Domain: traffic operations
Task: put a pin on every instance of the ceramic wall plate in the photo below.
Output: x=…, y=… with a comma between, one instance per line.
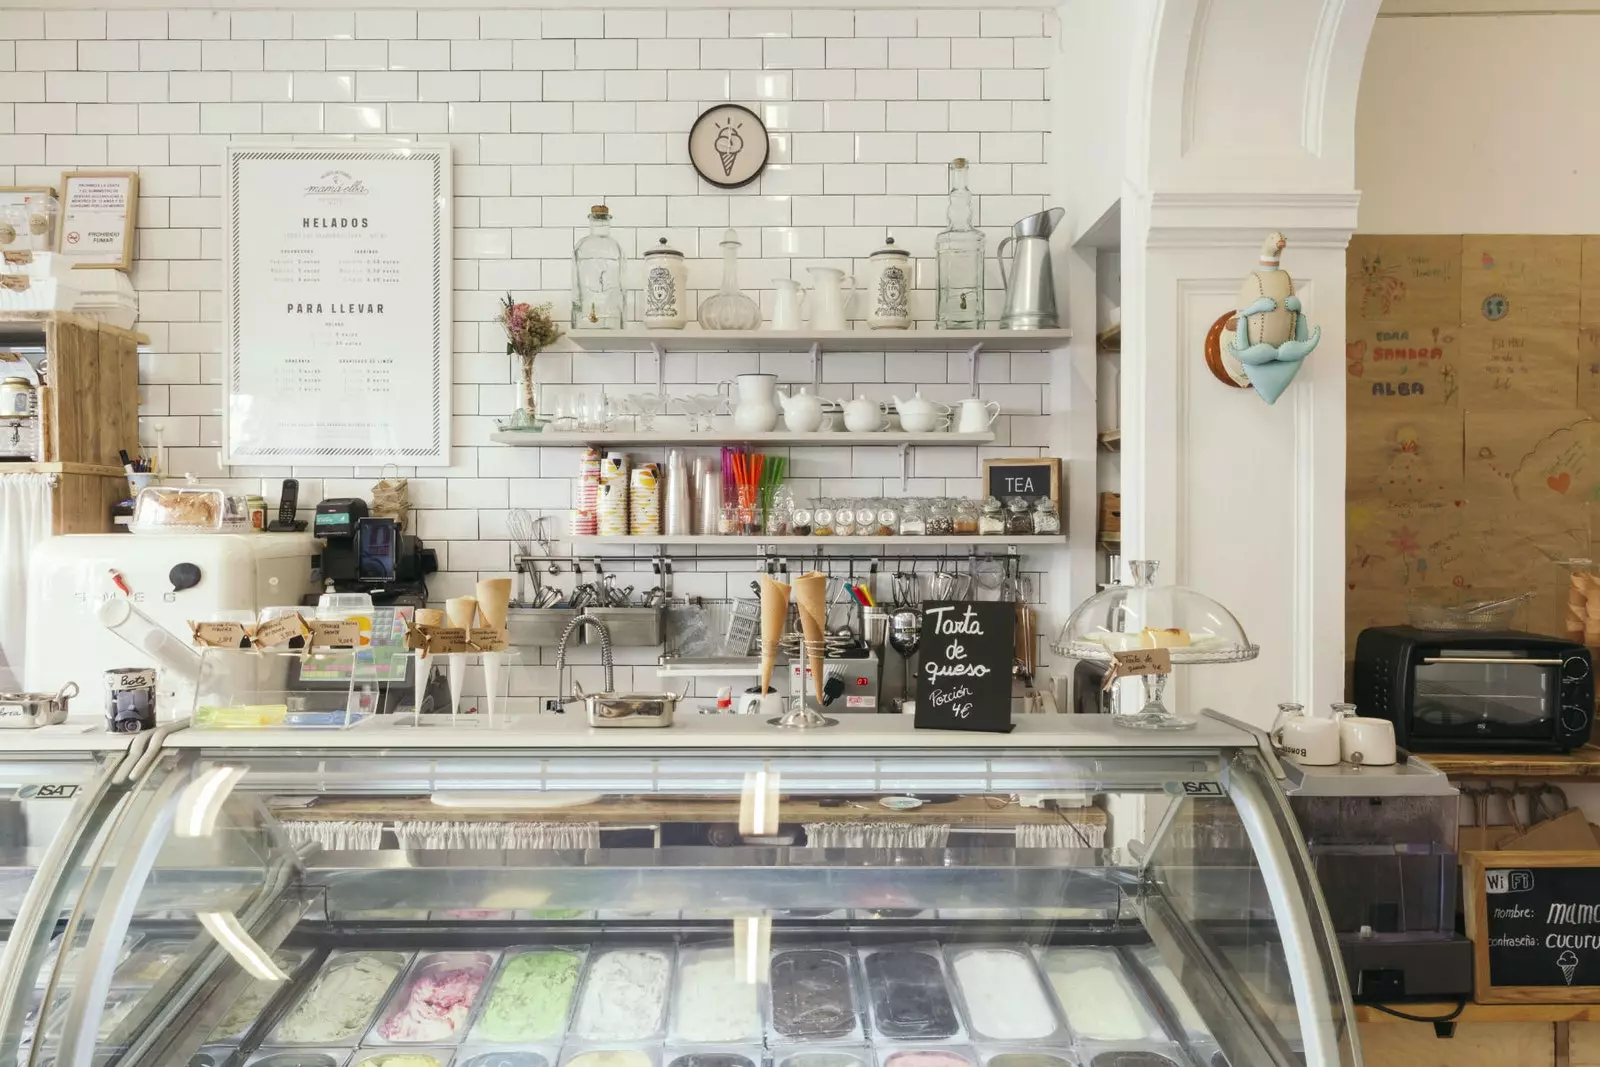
x=728, y=145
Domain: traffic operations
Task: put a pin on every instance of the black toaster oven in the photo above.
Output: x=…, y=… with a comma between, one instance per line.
x=1453, y=691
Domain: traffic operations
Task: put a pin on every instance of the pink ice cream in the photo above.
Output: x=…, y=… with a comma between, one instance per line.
x=439, y=999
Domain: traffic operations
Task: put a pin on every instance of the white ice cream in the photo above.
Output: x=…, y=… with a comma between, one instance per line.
x=623, y=996
x=1003, y=996
x=1188, y=1014
x=1100, y=1001
x=712, y=1003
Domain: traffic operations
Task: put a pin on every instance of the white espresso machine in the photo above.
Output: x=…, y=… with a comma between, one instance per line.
x=92, y=600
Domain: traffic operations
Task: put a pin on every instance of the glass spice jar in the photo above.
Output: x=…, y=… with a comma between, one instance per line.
x=1046, y=519
x=728, y=521
x=822, y=520
x=913, y=523
x=1019, y=516
x=966, y=517
x=800, y=521
x=993, y=519
x=888, y=521
x=844, y=519
x=941, y=518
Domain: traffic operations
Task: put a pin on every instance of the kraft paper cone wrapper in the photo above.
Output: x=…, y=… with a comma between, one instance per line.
x=810, y=597
x=463, y=611
x=429, y=617
x=494, y=598
x=774, y=609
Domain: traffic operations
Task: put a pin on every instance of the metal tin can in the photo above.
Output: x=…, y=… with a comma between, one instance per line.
x=130, y=699
x=258, y=511
x=16, y=397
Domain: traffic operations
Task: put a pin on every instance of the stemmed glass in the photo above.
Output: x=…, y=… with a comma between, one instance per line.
x=650, y=405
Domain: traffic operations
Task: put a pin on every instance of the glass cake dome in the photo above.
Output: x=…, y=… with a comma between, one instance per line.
x=1190, y=626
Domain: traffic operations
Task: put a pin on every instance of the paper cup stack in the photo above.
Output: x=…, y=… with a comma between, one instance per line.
x=584, y=520
x=611, y=509
x=644, y=500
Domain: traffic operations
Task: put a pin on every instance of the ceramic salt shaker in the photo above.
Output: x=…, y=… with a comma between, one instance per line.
x=664, y=288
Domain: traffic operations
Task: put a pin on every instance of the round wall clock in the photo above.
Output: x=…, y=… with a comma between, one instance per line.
x=728, y=146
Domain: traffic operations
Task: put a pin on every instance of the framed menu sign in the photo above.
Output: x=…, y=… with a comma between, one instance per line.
x=964, y=674
x=336, y=303
x=1534, y=922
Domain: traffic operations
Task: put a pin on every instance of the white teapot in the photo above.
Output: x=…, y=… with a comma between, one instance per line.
x=864, y=416
x=919, y=415
x=802, y=412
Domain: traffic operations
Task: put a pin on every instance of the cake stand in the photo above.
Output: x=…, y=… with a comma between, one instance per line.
x=1192, y=627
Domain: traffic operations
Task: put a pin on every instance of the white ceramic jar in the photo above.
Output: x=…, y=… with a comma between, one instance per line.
x=665, y=295
x=756, y=408
x=889, y=288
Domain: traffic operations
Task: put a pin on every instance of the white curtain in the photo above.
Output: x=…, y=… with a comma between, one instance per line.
x=24, y=523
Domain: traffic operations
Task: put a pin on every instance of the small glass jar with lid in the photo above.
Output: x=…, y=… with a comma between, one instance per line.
x=966, y=517
x=1046, y=518
x=776, y=517
x=801, y=521
x=941, y=518
x=1019, y=516
x=844, y=519
x=14, y=228
x=823, y=518
x=992, y=520
x=888, y=519
x=913, y=519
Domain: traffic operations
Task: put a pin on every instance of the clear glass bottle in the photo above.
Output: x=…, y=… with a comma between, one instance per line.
x=1046, y=518
x=993, y=519
x=597, y=276
x=959, y=254
x=729, y=309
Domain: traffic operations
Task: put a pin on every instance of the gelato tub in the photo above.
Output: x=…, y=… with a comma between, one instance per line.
x=715, y=1058
x=830, y=1058
x=1032, y=1058
x=624, y=996
x=1098, y=997
x=531, y=998
x=1131, y=1057
x=146, y=966
x=436, y=998
x=711, y=1003
x=927, y=1057
x=612, y=1057
x=812, y=997
x=909, y=998
x=338, y=1005
x=1001, y=992
x=1187, y=1014
x=421, y=1057
x=504, y=1058
x=302, y=1057
x=256, y=996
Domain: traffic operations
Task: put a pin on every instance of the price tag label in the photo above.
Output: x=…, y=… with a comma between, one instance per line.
x=18, y=259
x=17, y=283
x=281, y=631
x=220, y=634
x=452, y=640
x=334, y=633
x=1136, y=662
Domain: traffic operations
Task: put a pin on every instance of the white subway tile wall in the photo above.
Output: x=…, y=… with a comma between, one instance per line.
x=547, y=112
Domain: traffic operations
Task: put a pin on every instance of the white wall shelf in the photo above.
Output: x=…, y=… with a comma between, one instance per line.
x=636, y=339
x=648, y=439
x=999, y=541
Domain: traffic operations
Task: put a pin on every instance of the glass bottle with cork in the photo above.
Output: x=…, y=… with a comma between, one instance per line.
x=959, y=251
x=597, y=276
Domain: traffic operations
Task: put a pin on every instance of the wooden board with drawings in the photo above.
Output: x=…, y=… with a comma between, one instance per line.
x=1473, y=429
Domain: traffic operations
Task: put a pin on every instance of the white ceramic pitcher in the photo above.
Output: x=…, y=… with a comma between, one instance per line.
x=975, y=416
x=756, y=407
x=830, y=297
x=786, y=304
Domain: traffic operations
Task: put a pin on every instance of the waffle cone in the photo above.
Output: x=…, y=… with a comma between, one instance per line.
x=774, y=609
x=429, y=617
x=810, y=597
x=494, y=599
x=463, y=611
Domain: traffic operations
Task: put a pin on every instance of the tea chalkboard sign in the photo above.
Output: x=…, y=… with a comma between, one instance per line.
x=964, y=674
x=1032, y=478
x=1534, y=922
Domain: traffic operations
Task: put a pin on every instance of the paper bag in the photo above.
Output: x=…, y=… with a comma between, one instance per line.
x=1482, y=835
x=1557, y=827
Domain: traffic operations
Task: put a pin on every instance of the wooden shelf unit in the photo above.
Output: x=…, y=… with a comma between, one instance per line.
x=1578, y=765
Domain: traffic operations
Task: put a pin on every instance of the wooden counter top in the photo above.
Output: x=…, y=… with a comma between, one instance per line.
x=970, y=811
x=1486, y=1013
x=1576, y=765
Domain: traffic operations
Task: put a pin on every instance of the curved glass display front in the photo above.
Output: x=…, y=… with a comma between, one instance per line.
x=634, y=906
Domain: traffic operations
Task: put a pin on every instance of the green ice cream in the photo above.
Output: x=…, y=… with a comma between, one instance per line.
x=530, y=998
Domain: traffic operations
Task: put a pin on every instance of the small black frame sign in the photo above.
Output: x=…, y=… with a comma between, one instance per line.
x=1030, y=478
x=964, y=676
x=1534, y=921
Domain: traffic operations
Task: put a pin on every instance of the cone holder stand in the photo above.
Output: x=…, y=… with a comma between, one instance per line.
x=799, y=716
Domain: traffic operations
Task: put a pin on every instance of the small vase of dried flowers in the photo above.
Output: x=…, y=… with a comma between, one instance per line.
x=529, y=331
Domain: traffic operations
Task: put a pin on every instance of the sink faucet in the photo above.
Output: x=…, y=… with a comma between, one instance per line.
x=605, y=651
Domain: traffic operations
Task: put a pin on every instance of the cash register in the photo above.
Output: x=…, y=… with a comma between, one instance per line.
x=364, y=553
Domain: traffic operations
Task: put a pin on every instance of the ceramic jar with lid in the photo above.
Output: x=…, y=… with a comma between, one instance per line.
x=889, y=288
x=16, y=397
x=665, y=288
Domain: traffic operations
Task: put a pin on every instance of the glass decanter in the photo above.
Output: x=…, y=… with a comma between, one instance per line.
x=959, y=254
x=597, y=276
x=730, y=309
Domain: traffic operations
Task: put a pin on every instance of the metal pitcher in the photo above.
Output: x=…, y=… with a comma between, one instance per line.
x=1030, y=283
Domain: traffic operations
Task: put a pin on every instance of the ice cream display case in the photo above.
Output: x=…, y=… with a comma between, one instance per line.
x=720, y=894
